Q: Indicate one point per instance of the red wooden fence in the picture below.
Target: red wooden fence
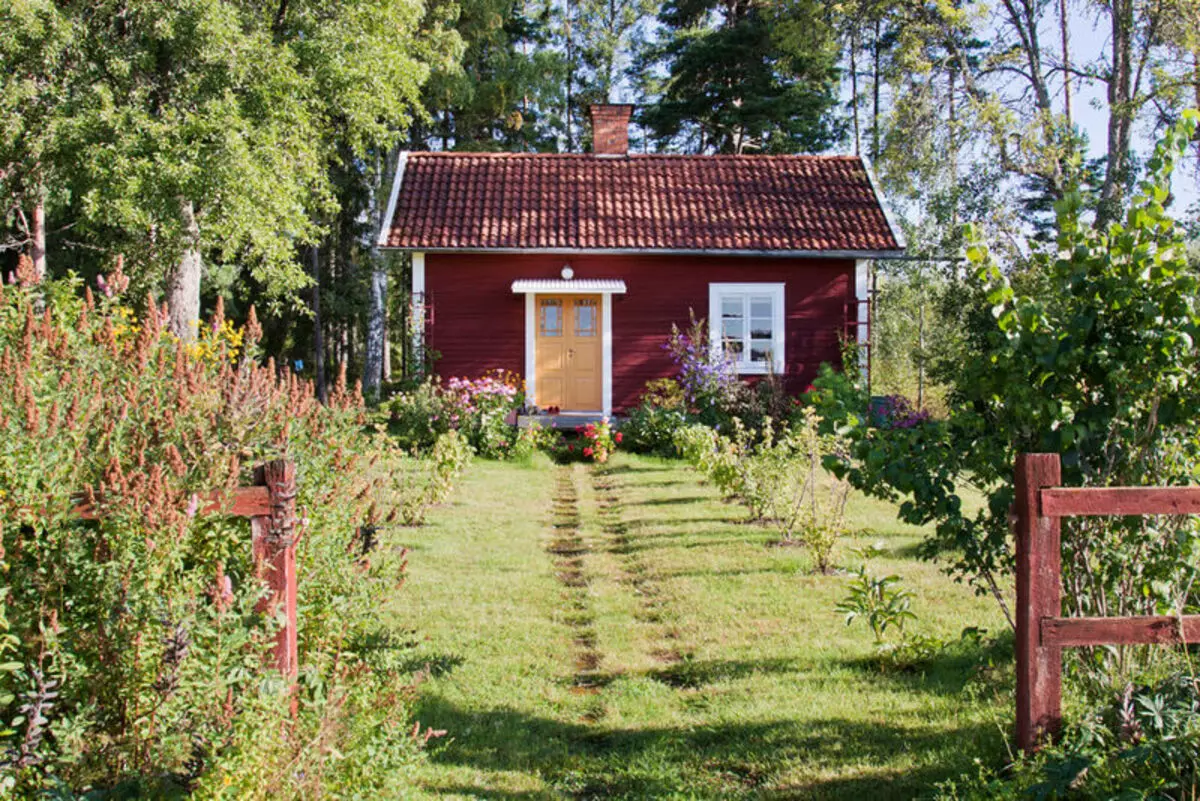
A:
(1042, 632)
(271, 506)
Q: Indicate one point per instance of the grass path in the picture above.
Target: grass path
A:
(620, 633)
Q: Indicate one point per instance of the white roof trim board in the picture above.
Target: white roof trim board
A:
(888, 213)
(536, 286)
(386, 228)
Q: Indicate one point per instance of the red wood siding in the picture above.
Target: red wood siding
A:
(479, 324)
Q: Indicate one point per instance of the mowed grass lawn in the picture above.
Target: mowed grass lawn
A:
(620, 632)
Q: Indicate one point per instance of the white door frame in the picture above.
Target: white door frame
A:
(606, 342)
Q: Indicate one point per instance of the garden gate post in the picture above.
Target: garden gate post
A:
(1039, 595)
(275, 557)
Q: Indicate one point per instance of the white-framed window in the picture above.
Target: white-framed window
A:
(746, 323)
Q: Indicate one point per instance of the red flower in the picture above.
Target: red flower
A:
(587, 451)
(571, 448)
(617, 437)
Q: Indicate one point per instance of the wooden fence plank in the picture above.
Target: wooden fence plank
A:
(1091, 501)
(1039, 595)
(1071, 632)
(240, 502)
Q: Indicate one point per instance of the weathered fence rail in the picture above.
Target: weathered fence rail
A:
(1042, 631)
(271, 507)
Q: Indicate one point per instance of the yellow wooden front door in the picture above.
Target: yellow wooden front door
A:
(568, 354)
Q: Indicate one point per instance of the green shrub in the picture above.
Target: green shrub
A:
(419, 416)
(651, 429)
(133, 658)
(1142, 742)
(778, 476)
(879, 601)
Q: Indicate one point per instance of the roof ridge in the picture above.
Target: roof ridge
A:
(638, 156)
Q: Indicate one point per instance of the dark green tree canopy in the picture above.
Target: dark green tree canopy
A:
(743, 76)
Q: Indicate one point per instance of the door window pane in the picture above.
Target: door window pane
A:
(585, 317)
(550, 317)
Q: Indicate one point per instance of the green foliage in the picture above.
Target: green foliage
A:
(778, 477)
(419, 481)
(743, 77)
(506, 90)
(417, 417)
(879, 601)
(1140, 743)
(1099, 365)
(651, 429)
(235, 108)
(132, 654)
(812, 506)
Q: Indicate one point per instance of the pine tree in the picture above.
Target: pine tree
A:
(743, 76)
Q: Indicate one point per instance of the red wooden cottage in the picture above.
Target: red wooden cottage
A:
(569, 269)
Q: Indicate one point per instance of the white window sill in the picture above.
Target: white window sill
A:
(754, 368)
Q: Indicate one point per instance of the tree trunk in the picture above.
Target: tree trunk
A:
(318, 337)
(37, 250)
(183, 284)
(1120, 116)
(1064, 31)
(875, 46)
(377, 312)
(854, 90)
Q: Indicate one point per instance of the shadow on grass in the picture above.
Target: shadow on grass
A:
(625, 469)
(678, 500)
(434, 664)
(882, 760)
(696, 673)
(948, 671)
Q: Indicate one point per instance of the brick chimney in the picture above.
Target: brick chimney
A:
(610, 128)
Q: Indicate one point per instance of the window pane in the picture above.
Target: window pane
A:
(733, 329)
(760, 307)
(734, 348)
(760, 351)
(585, 318)
(550, 320)
(732, 306)
(760, 328)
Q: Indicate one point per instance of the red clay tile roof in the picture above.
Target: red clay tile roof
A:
(474, 201)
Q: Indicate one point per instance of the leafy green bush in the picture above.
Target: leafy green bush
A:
(1091, 355)
(1139, 743)
(417, 417)
(133, 657)
(651, 429)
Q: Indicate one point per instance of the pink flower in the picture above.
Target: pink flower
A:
(617, 437)
(587, 451)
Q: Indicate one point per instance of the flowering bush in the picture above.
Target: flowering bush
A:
(896, 411)
(131, 654)
(483, 410)
(710, 384)
(597, 441)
